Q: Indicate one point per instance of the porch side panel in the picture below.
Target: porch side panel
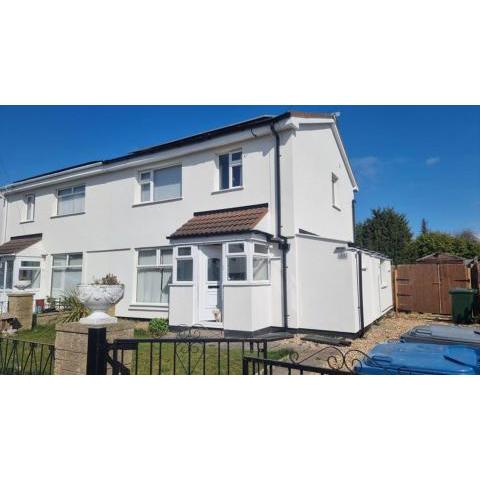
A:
(326, 301)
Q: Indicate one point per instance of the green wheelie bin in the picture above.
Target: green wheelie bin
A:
(462, 304)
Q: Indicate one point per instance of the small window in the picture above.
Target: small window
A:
(154, 275)
(261, 248)
(184, 270)
(236, 248)
(71, 200)
(184, 251)
(29, 207)
(334, 190)
(237, 268)
(230, 170)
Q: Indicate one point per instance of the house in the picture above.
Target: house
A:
(248, 228)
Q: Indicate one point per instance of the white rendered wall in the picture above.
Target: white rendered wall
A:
(316, 156)
(327, 289)
(183, 298)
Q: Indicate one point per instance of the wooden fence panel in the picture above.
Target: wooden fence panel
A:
(424, 287)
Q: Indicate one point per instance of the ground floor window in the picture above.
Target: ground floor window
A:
(66, 273)
(261, 271)
(6, 273)
(184, 264)
(154, 275)
(30, 272)
(236, 262)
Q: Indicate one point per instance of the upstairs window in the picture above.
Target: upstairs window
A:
(30, 272)
(71, 200)
(29, 207)
(334, 191)
(162, 184)
(66, 273)
(230, 169)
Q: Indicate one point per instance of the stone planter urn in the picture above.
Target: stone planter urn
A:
(98, 298)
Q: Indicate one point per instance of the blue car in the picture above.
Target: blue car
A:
(400, 358)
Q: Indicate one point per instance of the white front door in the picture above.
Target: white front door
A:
(210, 301)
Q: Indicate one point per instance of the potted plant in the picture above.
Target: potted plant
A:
(98, 297)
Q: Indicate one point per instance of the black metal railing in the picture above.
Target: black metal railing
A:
(19, 357)
(188, 353)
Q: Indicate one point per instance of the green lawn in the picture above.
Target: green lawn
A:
(167, 359)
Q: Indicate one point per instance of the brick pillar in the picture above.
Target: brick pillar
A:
(71, 346)
(20, 306)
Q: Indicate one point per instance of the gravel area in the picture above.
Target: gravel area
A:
(390, 327)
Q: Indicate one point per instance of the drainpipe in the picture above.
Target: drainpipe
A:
(360, 292)
(281, 241)
(354, 202)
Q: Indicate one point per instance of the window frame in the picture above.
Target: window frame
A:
(183, 257)
(29, 218)
(67, 266)
(71, 188)
(151, 183)
(231, 164)
(264, 256)
(229, 255)
(31, 269)
(157, 266)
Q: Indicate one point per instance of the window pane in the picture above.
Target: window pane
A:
(147, 257)
(2, 273)
(9, 280)
(236, 156)
(166, 281)
(30, 206)
(260, 268)
(237, 176)
(213, 269)
(166, 256)
(30, 264)
(167, 183)
(261, 248)
(145, 196)
(58, 277)
(79, 203)
(60, 260)
(236, 248)
(64, 191)
(149, 286)
(33, 276)
(224, 172)
(237, 268)
(184, 251)
(184, 270)
(79, 190)
(65, 205)
(145, 177)
(75, 260)
(65, 281)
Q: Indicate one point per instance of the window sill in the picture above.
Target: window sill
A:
(226, 190)
(68, 215)
(26, 221)
(336, 208)
(148, 306)
(142, 204)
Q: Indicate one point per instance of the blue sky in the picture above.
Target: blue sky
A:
(423, 161)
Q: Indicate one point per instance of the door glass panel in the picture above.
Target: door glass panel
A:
(213, 270)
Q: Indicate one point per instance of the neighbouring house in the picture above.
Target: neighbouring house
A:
(248, 228)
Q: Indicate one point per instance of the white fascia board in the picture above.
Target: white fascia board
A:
(343, 152)
(99, 168)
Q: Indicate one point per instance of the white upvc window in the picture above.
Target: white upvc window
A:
(334, 191)
(230, 170)
(160, 184)
(6, 273)
(236, 262)
(30, 272)
(71, 200)
(184, 264)
(29, 207)
(154, 275)
(66, 273)
(260, 263)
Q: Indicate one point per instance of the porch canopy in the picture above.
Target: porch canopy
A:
(225, 221)
(19, 243)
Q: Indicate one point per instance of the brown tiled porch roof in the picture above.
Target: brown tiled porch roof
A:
(17, 244)
(217, 222)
